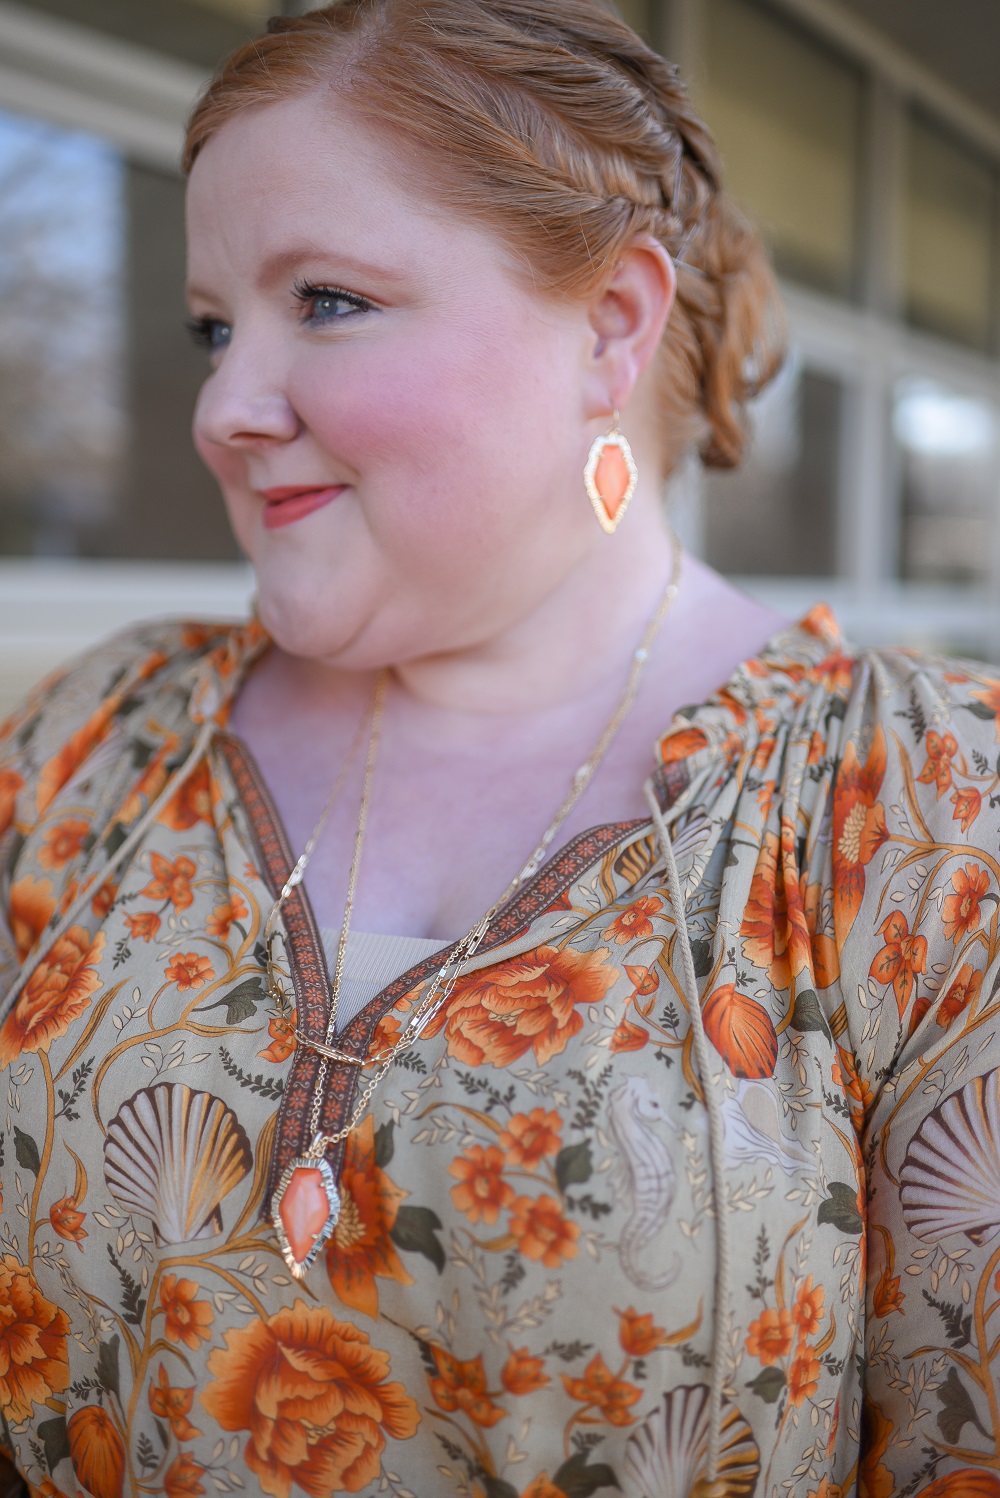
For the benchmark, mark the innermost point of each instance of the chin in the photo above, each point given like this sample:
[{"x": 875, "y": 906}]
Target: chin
[{"x": 298, "y": 626}]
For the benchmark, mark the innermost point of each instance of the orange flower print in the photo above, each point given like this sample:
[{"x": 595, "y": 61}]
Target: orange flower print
[
  {"x": 940, "y": 752},
  {"x": 770, "y": 1337},
  {"x": 361, "y": 1249},
  {"x": 803, "y": 1376},
  {"x": 188, "y": 970},
  {"x": 807, "y": 1312},
  {"x": 859, "y": 829},
  {"x": 57, "y": 992},
  {"x": 522, "y": 1373},
  {"x": 104, "y": 899},
  {"x": 462, "y": 1386},
  {"x": 192, "y": 802},
  {"x": 63, "y": 842},
  {"x": 173, "y": 1405},
  {"x": 629, "y": 1037},
  {"x": 542, "y": 1232},
  {"x": 527, "y": 1003},
  {"x": 637, "y": 1334},
  {"x": 33, "y": 1343},
  {"x": 680, "y": 744},
  {"x": 67, "y": 1219},
  {"x": 543, "y": 1487},
  {"x": 742, "y": 1032},
  {"x": 990, "y": 697},
  {"x": 312, "y": 1392},
  {"x": 860, "y": 1097},
  {"x": 961, "y": 910},
  {"x": 96, "y": 1451},
  {"x": 10, "y": 783},
  {"x": 171, "y": 881},
  {"x": 962, "y": 992},
  {"x": 30, "y": 905},
  {"x": 779, "y": 929},
  {"x": 599, "y": 1388},
  {"x": 143, "y": 927},
  {"x": 281, "y": 1028},
  {"x": 887, "y": 1297},
  {"x": 482, "y": 1192},
  {"x": 902, "y": 957},
  {"x": 224, "y": 915},
  {"x": 634, "y": 923},
  {"x": 188, "y": 1319},
  {"x": 529, "y": 1137},
  {"x": 967, "y": 804},
  {"x": 875, "y": 1479},
  {"x": 182, "y": 1478}
]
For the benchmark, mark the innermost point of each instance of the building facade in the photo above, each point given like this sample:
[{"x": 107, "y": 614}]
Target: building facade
[{"x": 862, "y": 135}]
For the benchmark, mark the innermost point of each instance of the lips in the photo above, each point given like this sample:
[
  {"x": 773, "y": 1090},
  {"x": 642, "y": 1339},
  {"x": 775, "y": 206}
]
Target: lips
[{"x": 288, "y": 503}]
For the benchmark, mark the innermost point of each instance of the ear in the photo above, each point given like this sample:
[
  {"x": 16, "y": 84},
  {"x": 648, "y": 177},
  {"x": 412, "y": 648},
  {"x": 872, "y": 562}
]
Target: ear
[{"x": 627, "y": 318}]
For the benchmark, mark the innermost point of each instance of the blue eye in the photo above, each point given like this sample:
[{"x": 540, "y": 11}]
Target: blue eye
[
  {"x": 209, "y": 333},
  {"x": 328, "y": 304}
]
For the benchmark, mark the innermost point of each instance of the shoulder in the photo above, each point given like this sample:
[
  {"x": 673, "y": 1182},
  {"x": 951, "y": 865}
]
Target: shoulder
[
  {"x": 116, "y": 717},
  {"x": 109, "y": 690}
]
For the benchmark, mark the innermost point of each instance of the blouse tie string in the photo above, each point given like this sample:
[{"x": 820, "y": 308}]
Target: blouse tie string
[{"x": 723, "y": 1261}]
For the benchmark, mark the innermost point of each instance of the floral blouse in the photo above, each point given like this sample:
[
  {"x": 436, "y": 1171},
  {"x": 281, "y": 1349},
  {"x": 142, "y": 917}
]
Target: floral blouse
[{"x": 518, "y": 1299}]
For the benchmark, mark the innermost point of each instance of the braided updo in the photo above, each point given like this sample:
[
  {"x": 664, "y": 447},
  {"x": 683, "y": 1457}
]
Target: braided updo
[{"x": 554, "y": 124}]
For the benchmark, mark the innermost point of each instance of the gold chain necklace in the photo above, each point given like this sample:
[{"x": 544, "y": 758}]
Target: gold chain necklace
[{"x": 306, "y": 1204}]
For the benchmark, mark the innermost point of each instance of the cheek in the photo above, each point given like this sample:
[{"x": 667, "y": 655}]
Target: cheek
[{"x": 449, "y": 435}]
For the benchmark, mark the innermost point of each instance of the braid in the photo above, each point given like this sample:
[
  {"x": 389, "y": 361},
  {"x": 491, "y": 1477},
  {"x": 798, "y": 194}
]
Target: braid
[{"x": 554, "y": 124}]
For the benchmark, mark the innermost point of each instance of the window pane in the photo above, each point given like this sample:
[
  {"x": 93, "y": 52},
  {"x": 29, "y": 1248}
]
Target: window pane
[
  {"x": 948, "y": 237},
  {"x": 947, "y": 445},
  {"x": 787, "y": 116},
  {"x": 198, "y": 31},
  {"x": 98, "y": 377},
  {"x": 61, "y": 336},
  {"x": 776, "y": 515}
]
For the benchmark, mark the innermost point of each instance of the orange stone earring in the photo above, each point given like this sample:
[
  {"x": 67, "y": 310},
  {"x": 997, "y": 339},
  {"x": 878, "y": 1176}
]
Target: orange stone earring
[{"x": 610, "y": 477}]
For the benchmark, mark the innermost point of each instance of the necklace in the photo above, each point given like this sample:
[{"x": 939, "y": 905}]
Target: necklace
[{"x": 306, "y": 1204}]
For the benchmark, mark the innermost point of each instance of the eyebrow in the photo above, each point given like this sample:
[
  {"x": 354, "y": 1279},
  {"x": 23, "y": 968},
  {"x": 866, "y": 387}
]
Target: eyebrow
[{"x": 284, "y": 262}]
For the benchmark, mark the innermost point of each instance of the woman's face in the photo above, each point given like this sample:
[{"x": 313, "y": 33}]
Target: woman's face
[{"x": 397, "y": 422}]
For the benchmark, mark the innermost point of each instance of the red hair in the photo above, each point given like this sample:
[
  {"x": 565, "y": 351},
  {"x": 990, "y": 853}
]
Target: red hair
[{"x": 552, "y": 123}]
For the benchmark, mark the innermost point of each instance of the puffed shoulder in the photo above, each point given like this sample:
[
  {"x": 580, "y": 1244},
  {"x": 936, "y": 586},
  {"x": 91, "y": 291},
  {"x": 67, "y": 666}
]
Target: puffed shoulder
[{"x": 112, "y": 723}]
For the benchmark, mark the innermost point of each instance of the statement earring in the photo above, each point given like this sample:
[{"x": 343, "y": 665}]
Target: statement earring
[{"x": 610, "y": 477}]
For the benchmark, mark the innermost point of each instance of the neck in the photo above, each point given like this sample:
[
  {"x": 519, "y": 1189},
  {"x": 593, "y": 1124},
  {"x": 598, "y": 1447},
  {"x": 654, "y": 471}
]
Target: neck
[{"x": 571, "y": 645}]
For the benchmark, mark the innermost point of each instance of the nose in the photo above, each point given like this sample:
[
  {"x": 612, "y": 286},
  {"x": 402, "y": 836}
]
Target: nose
[{"x": 242, "y": 404}]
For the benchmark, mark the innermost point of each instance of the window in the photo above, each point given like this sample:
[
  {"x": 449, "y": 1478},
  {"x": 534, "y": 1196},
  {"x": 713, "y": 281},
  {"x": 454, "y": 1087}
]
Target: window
[
  {"x": 786, "y": 112},
  {"x": 97, "y": 375},
  {"x": 947, "y": 445},
  {"x": 949, "y": 218},
  {"x": 777, "y": 514}
]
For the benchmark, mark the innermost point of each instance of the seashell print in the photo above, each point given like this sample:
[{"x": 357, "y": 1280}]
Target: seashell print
[
  {"x": 950, "y": 1178},
  {"x": 667, "y": 1454},
  {"x": 172, "y": 1154}
]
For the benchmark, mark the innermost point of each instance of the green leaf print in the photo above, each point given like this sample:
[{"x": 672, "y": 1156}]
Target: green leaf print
[
  {"x": 768, "y": 1384},
  {"x": 384, "y": 1145},
  {"x": 841, "y": 1208},
  {"x": 574, "y": 1165},
  {"x": 807, "y": 1015},
  {"x": 957, "y": 1409},
  {"x": 55, "y": 1441},
  {"x": 26, "y": 1151},
  {"x": 414, "y": 1232},
  {"x": 577, "y": 1480},
  {"x": 497, "y": 1487},
  {"x": 241, "y": 1002},
  {"x": 107, "y": 1366}
]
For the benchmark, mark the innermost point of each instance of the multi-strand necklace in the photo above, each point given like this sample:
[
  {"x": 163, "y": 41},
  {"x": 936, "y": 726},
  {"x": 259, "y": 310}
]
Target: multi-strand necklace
[{"x": 306, "y": 1204}]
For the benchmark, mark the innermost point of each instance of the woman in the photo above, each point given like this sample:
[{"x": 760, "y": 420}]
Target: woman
[{"x": 460, "y": 1168}]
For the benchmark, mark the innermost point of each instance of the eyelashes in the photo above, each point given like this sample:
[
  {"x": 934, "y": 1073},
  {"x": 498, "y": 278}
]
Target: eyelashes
[
  {"x": 325, "y": 305},
  {"x": 306, "y": 293}
]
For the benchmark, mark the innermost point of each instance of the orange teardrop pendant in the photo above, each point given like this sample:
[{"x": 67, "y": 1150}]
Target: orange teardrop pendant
[{"x": 610, "y": 479}]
